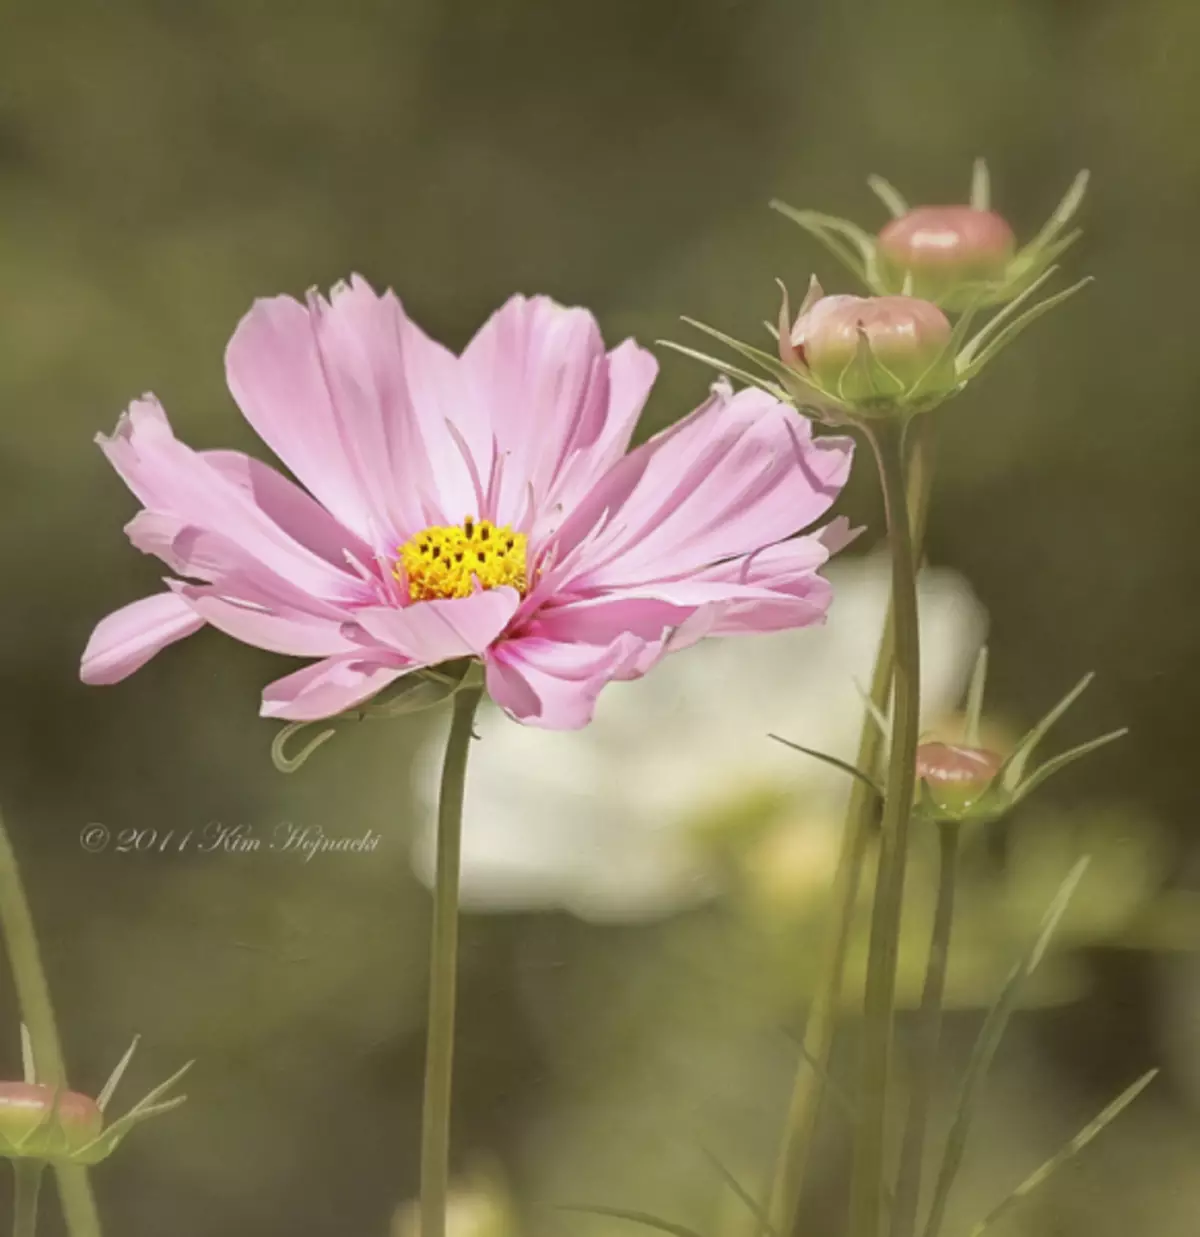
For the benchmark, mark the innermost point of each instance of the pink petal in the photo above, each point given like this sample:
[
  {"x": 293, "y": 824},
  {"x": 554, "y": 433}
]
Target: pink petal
[
  {"x": 356, "y": 400},
  {"x": 430, "y": 632},
  {"x": 127, "y": 639},
  {"x": 795, "y": 595},
  {"x": 328, "y": 687},
  {"x": 238, "y": 575},
  {"x": 563, "y": 411},
  {"x": 297, "y": 513},
  {"x": 554, "y": 685},
  {"x": 180, "y": 484},
  {"x": 294, "y": 633},
  {"x": 741, "y": 473}
]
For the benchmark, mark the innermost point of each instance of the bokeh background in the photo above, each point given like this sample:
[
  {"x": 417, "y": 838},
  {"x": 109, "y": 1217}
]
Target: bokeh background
[{"x": 163, "y": 164}]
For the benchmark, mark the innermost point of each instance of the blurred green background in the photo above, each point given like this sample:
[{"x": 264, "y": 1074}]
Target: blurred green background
[{"x": 162, "y": 164}]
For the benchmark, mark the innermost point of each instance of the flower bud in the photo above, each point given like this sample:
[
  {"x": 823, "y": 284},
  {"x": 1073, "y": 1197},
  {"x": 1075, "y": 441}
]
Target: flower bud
[
  {"x": 33, "y": 1125},
  {"x": 873, "y": 351},
  {"x": 945, "y": 253},
  {"x": 956, "y": 777}
]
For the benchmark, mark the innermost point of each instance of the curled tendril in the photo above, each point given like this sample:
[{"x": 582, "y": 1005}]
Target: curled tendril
[
  {"x": 409, "y": 699},
  {"x": 289, "y": 764}
]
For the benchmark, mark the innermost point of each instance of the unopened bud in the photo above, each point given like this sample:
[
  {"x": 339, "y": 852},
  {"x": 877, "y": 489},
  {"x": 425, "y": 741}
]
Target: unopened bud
[
  {"x": 34, "y": 1124},
  {"x": 945, "y": 254},
  {"x": 956, "y": 777},
  {"x": 874, "y": 350}
]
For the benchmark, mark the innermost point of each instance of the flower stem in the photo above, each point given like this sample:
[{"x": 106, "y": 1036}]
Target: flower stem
[
  {"x": 37, "y": 1012},
  {"x": 928, "y": 1035},
  {"x": 28, "y": 1174},
  {"x": 443, "y": 968},
  {"x": 868, "y": 1185},
  {"x": 792, "y": 1162}
]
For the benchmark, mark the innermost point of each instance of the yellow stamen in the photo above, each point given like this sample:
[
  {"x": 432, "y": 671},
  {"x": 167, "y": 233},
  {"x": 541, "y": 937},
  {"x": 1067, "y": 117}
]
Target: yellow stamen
[{"x": 455, "y": 560}]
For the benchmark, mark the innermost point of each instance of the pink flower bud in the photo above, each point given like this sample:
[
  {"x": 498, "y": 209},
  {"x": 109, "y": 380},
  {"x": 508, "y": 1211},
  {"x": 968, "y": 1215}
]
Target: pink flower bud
[
  {"x": 957, "y": 777},
  {"x": 907, "y": 337},
  {"x": 25, "y": 1109},
  {"x": 944, "y": 248}
]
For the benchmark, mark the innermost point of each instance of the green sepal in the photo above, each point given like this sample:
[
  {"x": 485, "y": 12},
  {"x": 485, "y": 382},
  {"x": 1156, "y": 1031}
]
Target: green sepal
[
  {"x": 1012, "y": 772},
  {"x": 852, "y": 247},
  {"x": 889, "y": 195}
]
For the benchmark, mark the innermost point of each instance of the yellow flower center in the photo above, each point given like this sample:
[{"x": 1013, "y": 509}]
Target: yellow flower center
[{"x": 454, "y": 560}]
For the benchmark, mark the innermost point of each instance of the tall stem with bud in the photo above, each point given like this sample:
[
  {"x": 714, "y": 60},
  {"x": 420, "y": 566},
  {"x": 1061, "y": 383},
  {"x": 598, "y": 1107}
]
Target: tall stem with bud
[
  {"x": 804, "y": 1107},
  {"x": 37, "y": 1012},
  {"x": 887, "y": 440}
]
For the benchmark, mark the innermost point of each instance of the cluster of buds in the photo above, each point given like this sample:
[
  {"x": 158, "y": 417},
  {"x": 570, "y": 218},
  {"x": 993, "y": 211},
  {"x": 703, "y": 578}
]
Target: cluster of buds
[
  {"x": 854, "y": 359},
  {"x": 48, "y": 1123}
]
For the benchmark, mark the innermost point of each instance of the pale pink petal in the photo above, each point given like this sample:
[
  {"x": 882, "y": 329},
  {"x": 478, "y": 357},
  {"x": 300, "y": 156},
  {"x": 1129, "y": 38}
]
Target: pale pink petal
[
  {"x": 742, "y": 473},
  {"x": 203, "y": 555},
  {"x": 277, "y": 374},
  {"x": 562, "y": 410},
  {"x": 435, "y": 631},
  {"x": 554, "y": 685},
  {"x": 292, "y": 632},
  {"x": 127, "y": 639},
  {"x": 329, "y": 687},
  {"x": 297, "y": 513},
  {"x": 359, "y": 403},
  {"x": 177, "y": 482}
]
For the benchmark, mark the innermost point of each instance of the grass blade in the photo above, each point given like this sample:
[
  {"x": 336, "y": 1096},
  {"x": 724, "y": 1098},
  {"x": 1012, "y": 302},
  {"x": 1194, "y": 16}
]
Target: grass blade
[
  {"x": 844, "y": 765},
  {"x": 756, "y": 1209},
  {"x": 643, "y": 1218},
  {"x": 1077, "y": 1144},
  {"x": 984, "y": 1052},
  {"x": 1052, "y": 766}
]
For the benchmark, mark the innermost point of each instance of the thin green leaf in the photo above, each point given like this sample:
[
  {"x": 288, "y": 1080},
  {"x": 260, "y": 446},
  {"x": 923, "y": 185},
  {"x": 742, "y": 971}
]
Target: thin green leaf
[
  {"x": 1028, "y": 265},
  {"x": 1077, "y": 1144},
  {"x": 877, "y": 715},
  {"x": 839, "y": 1093},
  {"x": 772, "y": 364},
  {"x": 150, "y": 1099},
  {"x": 850, "y": 245},
  {"x": 115, "y": 1077},
  {"x": 843, "y": 765},
  {"x": 889, "y": 195},
  {"x": 1063, "y": 212},
  {"x": 636, "y": 1217},
  {"x": 1000, "y": 319},
  {"x": 975, "y": 698},
  {"x": 984, "y": 1051},
  {"x": 28, "y": 1065},
  {"x": 1013, "y": 329},
  {"x": 1057, "y": 763},
  {"x": 981, "y": 186},
  {"x": 722, "y": 366},
  {"x": 756, "y": 1209},
  {"x": 1013, "y": 769}
]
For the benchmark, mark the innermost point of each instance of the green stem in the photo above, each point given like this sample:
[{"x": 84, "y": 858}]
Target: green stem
[
  {"x": 868, "y": 1185},
  {"x": 37, "y": 1012},
  {"x": 28, "y": 1174},
  {"x": 928, "y": 1035},
  {"x": 804, "y": 1108},
  {"x": 443, "y": 968}
]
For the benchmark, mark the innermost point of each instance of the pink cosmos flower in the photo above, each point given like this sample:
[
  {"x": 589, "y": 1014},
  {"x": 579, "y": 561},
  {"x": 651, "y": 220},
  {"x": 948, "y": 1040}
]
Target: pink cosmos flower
[{"x": 480, "y": 506}]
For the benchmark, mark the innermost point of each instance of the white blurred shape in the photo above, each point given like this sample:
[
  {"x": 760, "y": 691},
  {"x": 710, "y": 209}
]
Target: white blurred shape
[{"x": 601, "y": 822}]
